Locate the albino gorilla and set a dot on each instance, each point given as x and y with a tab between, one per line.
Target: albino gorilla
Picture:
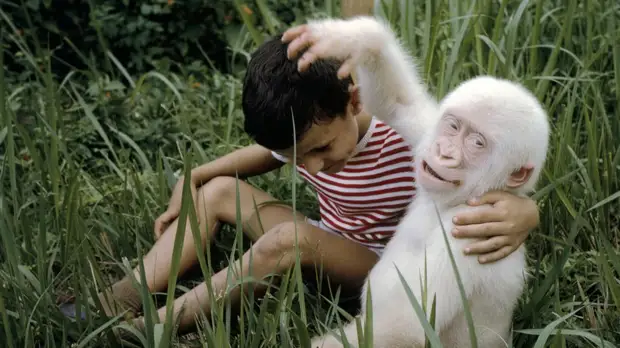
487	134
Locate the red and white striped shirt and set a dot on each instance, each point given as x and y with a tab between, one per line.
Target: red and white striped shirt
366	199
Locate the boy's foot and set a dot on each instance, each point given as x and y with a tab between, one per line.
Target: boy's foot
118	298
69	309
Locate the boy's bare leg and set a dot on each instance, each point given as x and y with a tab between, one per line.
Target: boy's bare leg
344	262
216	202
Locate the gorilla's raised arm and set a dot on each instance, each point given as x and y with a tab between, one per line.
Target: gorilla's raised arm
389	83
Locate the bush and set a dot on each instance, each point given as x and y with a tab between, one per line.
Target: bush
138	33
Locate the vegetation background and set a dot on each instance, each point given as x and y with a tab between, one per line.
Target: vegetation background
104	103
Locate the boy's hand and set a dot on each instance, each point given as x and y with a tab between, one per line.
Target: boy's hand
506	223
174	207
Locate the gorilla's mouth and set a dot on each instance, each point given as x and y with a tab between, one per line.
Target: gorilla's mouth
434	174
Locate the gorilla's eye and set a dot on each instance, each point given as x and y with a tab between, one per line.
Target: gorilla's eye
477	140
452	123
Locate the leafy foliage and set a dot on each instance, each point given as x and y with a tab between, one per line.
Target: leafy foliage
139	33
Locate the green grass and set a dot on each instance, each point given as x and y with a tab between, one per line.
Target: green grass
87	164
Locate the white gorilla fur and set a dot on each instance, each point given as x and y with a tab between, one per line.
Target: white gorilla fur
515	126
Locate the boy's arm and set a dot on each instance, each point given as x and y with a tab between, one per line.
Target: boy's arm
390	87
248	161
245	162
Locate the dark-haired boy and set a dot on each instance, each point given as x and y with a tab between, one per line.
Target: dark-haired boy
362	172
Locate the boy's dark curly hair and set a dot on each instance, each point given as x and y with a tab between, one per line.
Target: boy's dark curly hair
275	93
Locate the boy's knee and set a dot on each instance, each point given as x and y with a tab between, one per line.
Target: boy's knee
217	190
278	245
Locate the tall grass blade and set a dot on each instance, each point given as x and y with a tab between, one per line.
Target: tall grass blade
248	20
431	335
95	122
8	333
141	155
597	341
186	206
468	316
546	332
564	36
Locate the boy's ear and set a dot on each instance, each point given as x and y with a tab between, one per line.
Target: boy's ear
354	99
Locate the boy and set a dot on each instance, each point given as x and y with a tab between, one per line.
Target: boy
362	172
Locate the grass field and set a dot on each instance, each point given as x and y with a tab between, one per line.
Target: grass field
88	160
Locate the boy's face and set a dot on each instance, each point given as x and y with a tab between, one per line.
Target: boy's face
327	146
